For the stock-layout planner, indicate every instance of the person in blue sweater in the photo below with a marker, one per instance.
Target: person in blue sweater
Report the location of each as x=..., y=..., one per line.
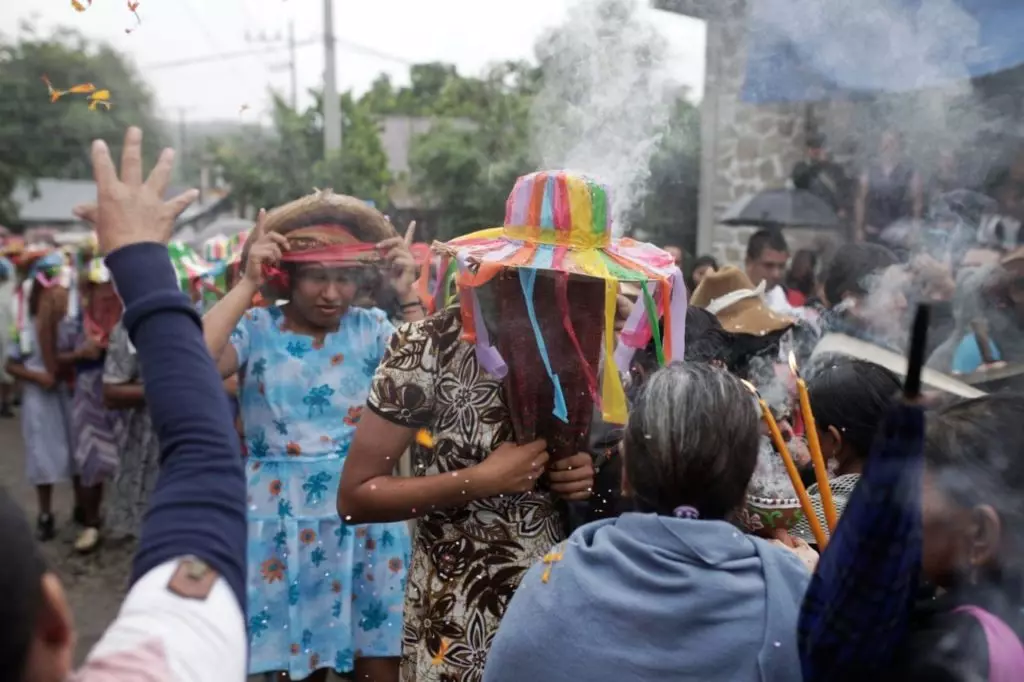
x=183, y=618
x=671, y=591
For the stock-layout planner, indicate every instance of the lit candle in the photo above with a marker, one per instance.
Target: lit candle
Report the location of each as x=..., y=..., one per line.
x=814, y=445
x=794, y=475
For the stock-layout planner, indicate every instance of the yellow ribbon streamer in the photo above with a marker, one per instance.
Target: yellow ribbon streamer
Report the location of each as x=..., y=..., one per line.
x=613, y=396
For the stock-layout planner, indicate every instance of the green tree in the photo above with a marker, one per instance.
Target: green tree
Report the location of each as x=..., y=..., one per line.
x=44, y=139
x=272, y=168
x=466, y=164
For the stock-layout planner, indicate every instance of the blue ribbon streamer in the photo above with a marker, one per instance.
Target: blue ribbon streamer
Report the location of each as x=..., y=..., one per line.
x=527, y=279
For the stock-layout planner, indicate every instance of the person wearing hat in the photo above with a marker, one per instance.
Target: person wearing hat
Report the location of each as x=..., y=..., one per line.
x=83, y=340
x=506, y=382
x=754, y=329
x=42, y=301
x=324, y=593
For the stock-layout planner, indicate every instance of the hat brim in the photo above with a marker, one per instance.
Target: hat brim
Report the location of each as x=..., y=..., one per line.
x=623, y=260
x=753, y=318
x=366, y=223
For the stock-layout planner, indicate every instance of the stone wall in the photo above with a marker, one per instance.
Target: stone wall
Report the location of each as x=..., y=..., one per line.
x=749, y=148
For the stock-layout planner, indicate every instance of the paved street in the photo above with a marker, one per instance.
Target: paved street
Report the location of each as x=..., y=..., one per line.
x=95, y=584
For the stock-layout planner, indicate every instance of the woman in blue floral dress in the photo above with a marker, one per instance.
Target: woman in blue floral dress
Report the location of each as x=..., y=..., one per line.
x=323, y=594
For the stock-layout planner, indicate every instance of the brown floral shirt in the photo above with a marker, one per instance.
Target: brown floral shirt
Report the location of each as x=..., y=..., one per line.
x=467, y=562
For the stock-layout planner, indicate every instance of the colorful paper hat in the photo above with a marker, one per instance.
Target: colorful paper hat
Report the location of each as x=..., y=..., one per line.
x=561, y=221
x=188, y=264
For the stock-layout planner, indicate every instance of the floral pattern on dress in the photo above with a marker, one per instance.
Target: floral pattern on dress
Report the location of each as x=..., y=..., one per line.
x=467, y=562
x=320, y=592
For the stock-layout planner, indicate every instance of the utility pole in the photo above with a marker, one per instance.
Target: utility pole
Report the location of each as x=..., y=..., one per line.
x=182, y=144
x=291, y=67
x=332, y=105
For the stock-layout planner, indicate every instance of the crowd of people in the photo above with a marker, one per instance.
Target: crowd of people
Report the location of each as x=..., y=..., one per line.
x=593, y=489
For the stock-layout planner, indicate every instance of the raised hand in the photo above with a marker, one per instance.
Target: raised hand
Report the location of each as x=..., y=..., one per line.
x=129, y=209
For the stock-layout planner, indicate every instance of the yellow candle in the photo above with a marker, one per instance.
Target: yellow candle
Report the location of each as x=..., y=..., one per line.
x=814, y=445
x=794, y=475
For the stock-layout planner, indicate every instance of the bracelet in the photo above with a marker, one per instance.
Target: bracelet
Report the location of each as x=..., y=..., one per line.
x=410, y=304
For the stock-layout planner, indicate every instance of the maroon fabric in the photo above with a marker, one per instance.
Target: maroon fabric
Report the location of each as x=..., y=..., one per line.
x=528, y=388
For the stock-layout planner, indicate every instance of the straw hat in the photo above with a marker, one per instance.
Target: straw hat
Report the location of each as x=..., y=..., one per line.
x=729, y=295
x=366, y=223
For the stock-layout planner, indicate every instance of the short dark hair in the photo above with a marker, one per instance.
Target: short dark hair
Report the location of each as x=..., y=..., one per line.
x=692, y=440
x=766, y=239
x=852, y=395
x=851, y=266
x=21, y=580
x=816, y=141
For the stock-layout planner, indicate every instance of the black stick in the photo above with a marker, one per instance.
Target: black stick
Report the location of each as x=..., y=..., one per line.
x=915, y=355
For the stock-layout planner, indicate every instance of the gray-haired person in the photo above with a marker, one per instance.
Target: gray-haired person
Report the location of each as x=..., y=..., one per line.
x=672, y=590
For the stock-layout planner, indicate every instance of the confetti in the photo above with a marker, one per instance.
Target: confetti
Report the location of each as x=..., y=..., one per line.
x=100, y=98
x=80, y=89
x=79, y=7
x=133, y=7
x=549, y=562
x=439, y=658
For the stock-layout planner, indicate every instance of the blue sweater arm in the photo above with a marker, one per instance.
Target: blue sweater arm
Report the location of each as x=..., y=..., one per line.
x=198, y=506
x=856, y=610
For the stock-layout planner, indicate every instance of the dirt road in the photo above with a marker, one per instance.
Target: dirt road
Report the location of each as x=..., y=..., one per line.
x=95, y=584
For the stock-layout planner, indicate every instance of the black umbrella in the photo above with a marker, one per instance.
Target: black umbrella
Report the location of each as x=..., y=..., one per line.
x=782, y=208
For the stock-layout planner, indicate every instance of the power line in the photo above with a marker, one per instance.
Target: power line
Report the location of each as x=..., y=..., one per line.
x=225, y=56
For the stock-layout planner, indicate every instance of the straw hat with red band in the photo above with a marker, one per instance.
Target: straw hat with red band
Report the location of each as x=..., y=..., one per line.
x=729, y=295
x=325, y=227
x=560, y=222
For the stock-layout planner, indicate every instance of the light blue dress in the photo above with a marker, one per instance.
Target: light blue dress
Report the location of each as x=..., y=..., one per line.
x=320, y=592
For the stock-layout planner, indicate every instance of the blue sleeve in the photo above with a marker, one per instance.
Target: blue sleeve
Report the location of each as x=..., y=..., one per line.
x=198, y=505
x=967, y=357
x=856, y=611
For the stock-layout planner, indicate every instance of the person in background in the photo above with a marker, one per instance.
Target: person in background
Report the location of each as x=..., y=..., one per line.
x=850, y=399
x=7, y=284
x=889, y=190
x=767, y=256
x=941, y=500
x=678, y=253
x=800, y=282
x=182, y=618
x=670, y=591
x=84, y=339
x=45, y=411
x=821, y=176
x=697, y=270
x=864, y=290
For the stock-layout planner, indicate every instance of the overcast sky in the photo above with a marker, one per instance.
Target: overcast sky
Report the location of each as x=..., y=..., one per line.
x=376, y=36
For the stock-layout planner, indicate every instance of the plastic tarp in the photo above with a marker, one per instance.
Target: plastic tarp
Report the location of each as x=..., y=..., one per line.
x=808, y=50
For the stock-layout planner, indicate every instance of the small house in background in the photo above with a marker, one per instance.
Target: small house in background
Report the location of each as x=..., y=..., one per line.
x=46, y=206
x=397, y=135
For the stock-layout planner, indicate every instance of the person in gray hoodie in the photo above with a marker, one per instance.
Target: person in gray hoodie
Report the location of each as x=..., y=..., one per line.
x=672, y=591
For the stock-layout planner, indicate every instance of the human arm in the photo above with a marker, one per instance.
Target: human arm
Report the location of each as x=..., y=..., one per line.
x=222, y=320
x=400, y=403
x=19, y=371
x=122, y=389
x=402, y=267
x=52, y=307
x=860, y=206
x=857, y=608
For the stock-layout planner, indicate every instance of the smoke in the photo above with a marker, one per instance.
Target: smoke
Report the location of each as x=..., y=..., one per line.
x=607, y=98
x=770, y=479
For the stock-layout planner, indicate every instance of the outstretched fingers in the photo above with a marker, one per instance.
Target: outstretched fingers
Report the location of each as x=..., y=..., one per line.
x=131, y=158
x=160, y=177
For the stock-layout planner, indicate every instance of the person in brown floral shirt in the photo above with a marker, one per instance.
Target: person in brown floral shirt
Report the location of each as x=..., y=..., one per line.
x=509, y=421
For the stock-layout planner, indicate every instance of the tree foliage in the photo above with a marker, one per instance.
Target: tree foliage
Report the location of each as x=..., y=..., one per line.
x=274, y=167
x=44, y=139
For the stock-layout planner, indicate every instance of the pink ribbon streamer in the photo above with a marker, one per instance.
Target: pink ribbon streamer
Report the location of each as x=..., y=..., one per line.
x=486, y=354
